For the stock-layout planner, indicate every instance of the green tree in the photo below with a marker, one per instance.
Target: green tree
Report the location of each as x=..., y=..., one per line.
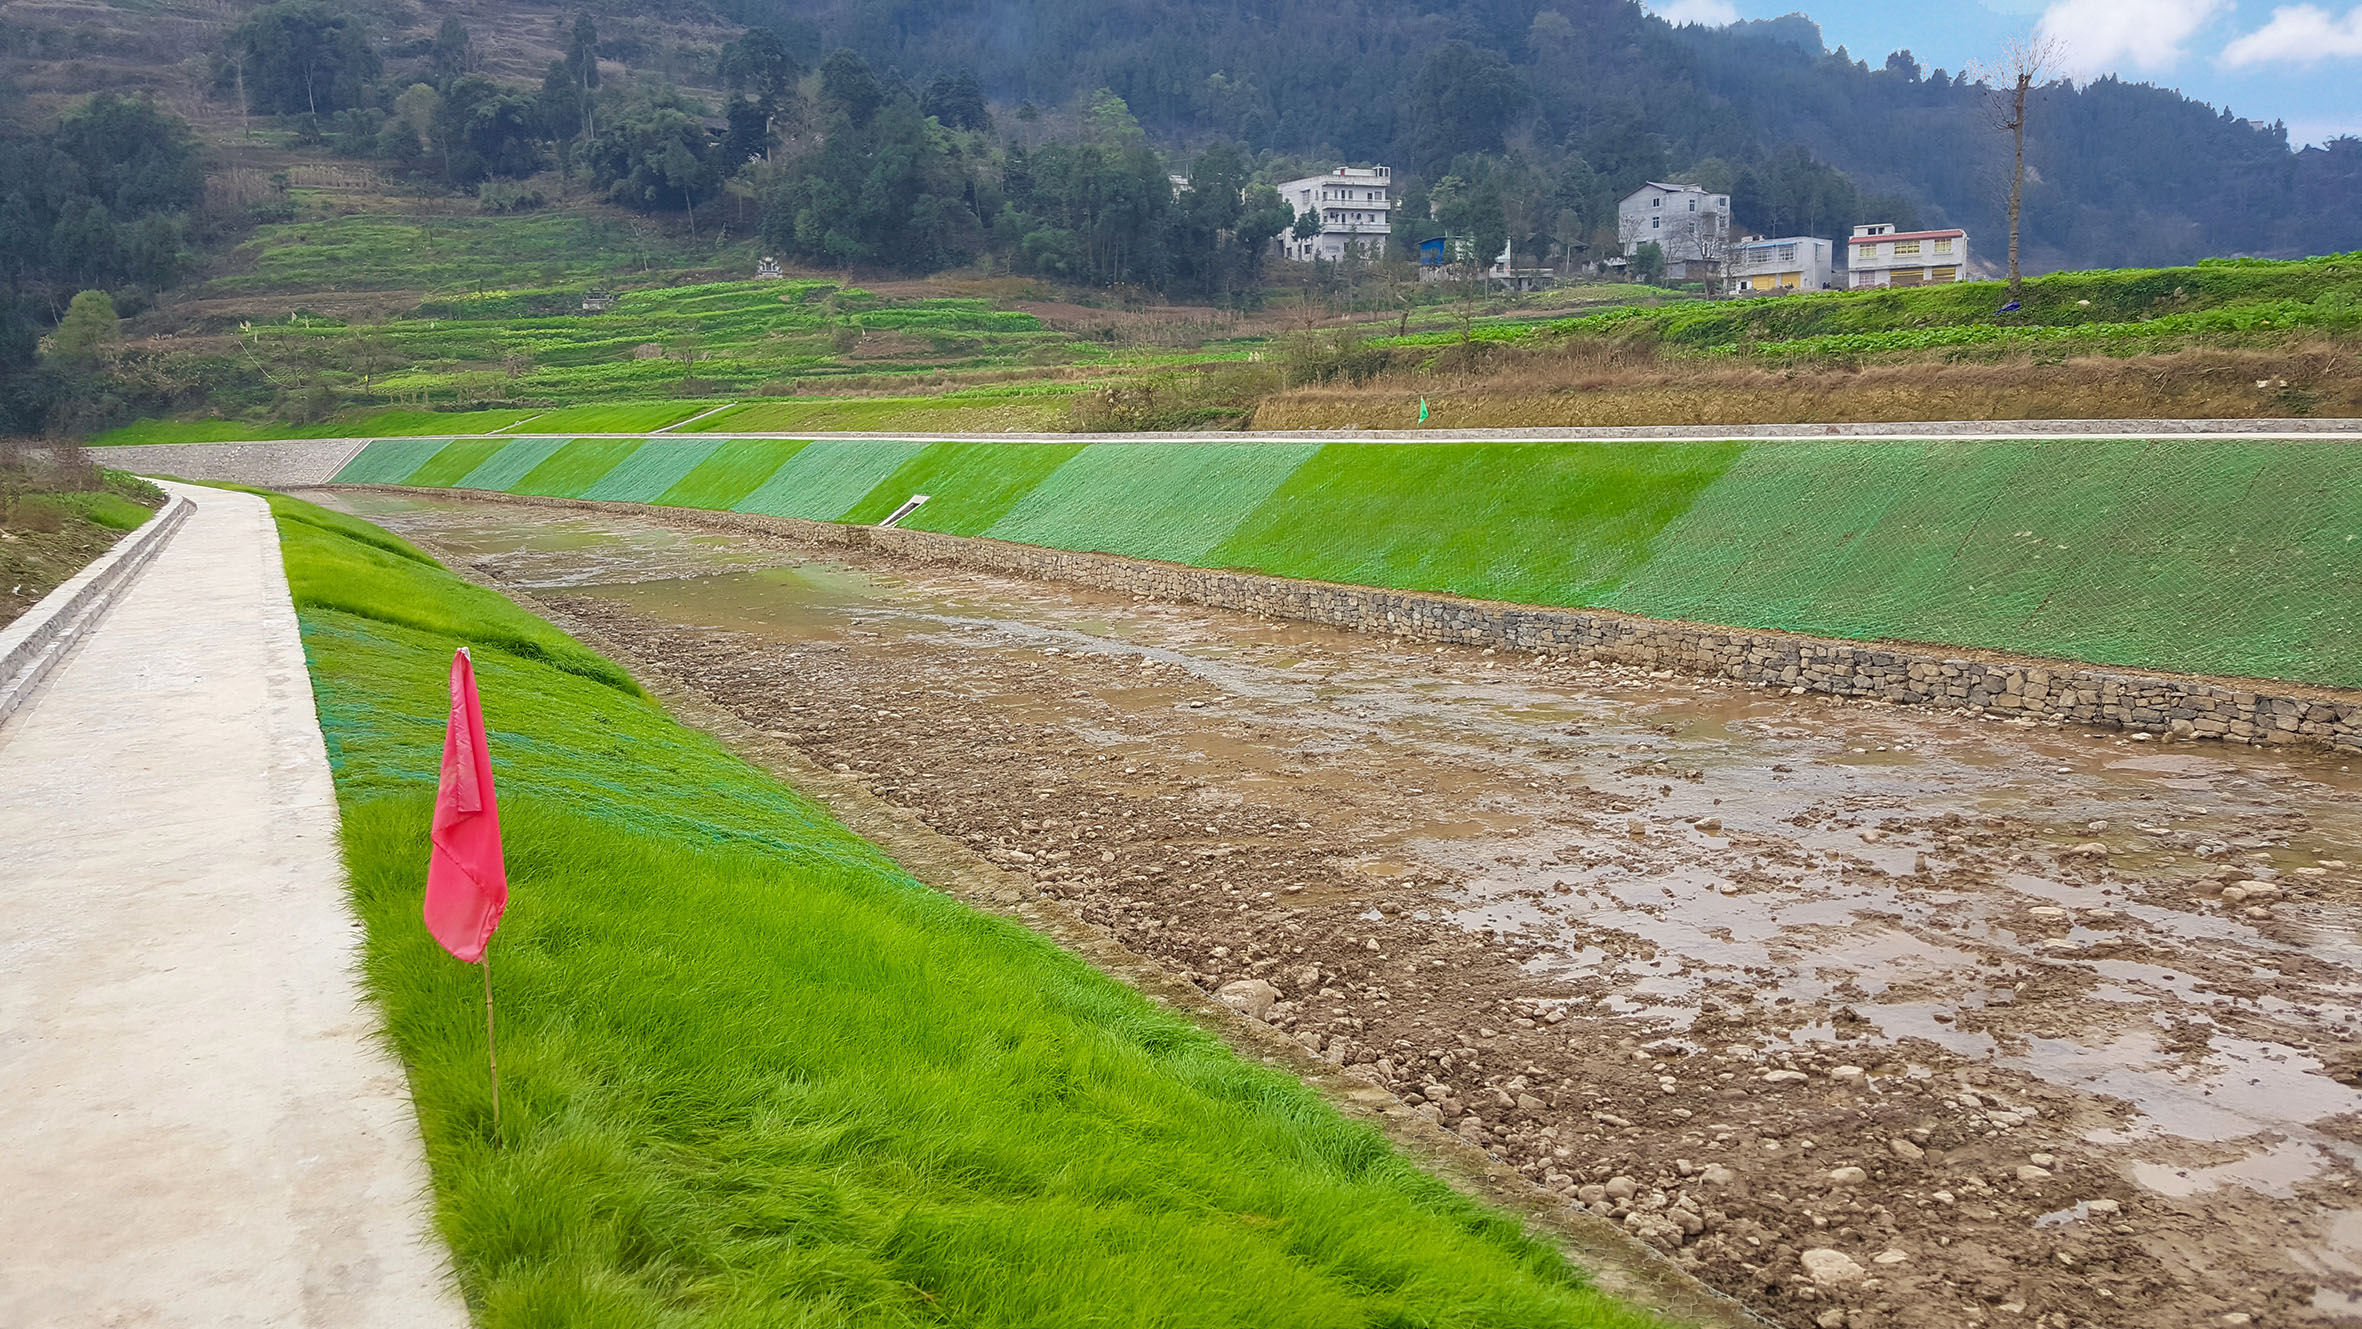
x=1463, y=100
x=957, y=102
x=305, y=57
x=1648, y=263
x=483, y=129
x=453, y=52
x=90, y=325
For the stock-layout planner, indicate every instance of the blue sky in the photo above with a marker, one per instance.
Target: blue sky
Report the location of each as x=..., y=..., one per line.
x=2264, y=59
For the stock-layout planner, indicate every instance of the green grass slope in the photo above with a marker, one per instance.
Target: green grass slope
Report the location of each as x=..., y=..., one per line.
x=1173, y=501
x=652, y=467
x=390, y=461
x=755, y=1075
x=2241, y=558
x=969, y=486
x=575, y=467
x=1562, y=523
x=824, y=479
x=724, y=478
x=506, y=468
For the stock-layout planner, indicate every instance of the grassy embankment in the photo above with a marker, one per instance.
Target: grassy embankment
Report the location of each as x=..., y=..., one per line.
x=2236, y=558
x=755, y=1074
x=2231, y=338
x=57, y=513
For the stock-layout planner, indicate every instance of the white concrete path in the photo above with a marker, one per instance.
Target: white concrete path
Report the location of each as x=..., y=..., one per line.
x=196, y=1124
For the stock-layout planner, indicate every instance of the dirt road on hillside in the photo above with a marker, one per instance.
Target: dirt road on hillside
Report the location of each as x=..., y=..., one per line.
x=1871, y=1017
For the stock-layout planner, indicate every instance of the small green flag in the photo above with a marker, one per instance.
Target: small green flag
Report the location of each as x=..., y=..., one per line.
x=1422, y=410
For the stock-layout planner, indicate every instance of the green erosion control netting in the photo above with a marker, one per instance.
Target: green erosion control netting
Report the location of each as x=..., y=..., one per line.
x=652, y=468
x=506, y=469
x=823, y=479
x=728, y=474
x=389, y=461
x=455, y=460
x=575, y=467
x=2234, y=558
x=1559, y=523
x=2240, y=558
x=1173, y=501
x=968, y=485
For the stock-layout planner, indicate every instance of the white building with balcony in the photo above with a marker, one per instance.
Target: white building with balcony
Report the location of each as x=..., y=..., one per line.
x=1879, y=255
x=1783, y=266
x=1688, y=225
x=1355, y=205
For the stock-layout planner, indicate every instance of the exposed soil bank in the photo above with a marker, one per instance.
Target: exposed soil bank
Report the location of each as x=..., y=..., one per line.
x=1962, y=1001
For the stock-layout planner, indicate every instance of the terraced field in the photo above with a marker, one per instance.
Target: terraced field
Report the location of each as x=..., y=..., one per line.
x=2236, y=558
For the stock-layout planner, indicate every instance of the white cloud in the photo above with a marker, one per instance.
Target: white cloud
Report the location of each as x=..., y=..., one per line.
x=2096, y=36
x=1711, y=13
x=2300, y=34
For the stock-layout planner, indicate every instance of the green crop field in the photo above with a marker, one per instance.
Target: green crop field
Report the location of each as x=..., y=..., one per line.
x=379, y=252
x=753, y=1074
x=2239, y=558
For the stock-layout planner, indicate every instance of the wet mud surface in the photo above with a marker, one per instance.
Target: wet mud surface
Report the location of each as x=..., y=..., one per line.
x=1869, y=1016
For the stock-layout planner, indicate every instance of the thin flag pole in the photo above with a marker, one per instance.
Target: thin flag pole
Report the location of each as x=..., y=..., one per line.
x=491, y=1057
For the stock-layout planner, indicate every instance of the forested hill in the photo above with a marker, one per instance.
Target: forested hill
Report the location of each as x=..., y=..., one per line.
x=2122, y=173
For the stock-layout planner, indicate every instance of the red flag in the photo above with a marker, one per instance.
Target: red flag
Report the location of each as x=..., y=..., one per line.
x=466, y=883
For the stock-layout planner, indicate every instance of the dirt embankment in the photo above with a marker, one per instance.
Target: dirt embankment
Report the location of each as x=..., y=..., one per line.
x=1608, y=391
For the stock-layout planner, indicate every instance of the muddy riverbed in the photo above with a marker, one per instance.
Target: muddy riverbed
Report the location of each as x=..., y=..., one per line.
x=1870, y=1016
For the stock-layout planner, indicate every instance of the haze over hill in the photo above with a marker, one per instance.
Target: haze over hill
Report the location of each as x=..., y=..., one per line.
x=2124, y=173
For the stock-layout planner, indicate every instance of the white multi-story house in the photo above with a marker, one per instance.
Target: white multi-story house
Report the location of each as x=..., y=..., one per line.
x=1690, y=226
x=1356, y=208
x=1782, y=266
x=1880, y=255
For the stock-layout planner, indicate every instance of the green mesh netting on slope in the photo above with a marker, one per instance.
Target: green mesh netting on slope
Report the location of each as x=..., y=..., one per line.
x=653, y=467
x=824, y=479
x=389, y=461
x=1172, y=501
x=969, y=486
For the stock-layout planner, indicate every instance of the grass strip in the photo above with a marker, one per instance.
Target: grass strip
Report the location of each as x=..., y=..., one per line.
x=653, y=468
x=969, y=486
x=454, y=461
x=1173, y=501
x=755, y=1075
x=723, y=478
x=1544, y=523
x=389, y=461
x=823, y=479
x=575, y=467
x=507, y=467
x=619, y=417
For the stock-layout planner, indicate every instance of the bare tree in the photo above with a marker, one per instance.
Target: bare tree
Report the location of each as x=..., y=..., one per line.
x=2025, y=63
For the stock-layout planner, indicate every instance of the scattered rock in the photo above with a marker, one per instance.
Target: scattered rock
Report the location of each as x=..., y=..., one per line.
x=2087, y=849
x=1890, y=1256
x=1905, y=1150
x=2029, y=1172
x=1848, y=1176
x=1828, y=1268
x=1250, y=997
x=1785, y=1077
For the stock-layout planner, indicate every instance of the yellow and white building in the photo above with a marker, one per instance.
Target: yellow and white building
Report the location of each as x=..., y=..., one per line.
x=1781, y=266
x=1880, y=255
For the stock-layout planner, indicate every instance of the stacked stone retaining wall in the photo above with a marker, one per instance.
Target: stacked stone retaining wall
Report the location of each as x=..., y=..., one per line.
x=2177, y=706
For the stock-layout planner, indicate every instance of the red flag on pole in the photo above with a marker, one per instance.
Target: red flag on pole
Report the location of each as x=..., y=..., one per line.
x=466, y=882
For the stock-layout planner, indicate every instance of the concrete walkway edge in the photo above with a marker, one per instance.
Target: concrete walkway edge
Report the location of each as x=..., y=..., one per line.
x=201, y=1125
x=42, y=636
